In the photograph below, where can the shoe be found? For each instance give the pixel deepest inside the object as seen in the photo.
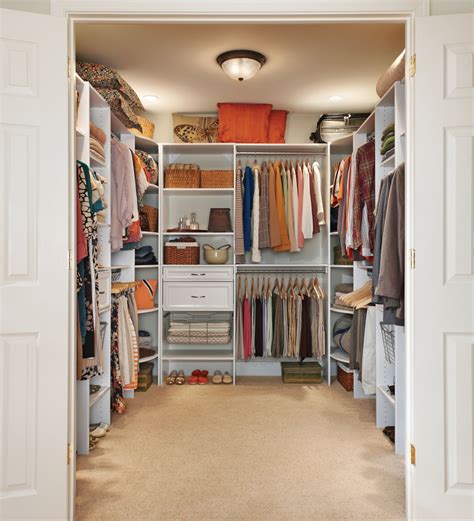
(171, 379)
(196, 372)
(193, 380)
(203, 379)
(180, 379)
(217, 378)
(105, 426)
(227, 378)
(98, 432)
(390, 433)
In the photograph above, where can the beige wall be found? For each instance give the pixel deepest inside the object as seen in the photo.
(33, 6)
(298, 127)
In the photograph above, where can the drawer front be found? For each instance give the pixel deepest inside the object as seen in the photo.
(105, 280)
(198, 273)
(215, 296)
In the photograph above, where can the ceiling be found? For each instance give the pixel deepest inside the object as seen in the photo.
(306, 64)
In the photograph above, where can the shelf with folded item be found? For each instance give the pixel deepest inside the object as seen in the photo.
(339, 355)
(149, 358)
(342, 266)
(198, 354)
(94, 398)
(150, 234)
(388, 162)
(97, 161)
(197, 191)
(343, 311)
(152, 188)
(148, 266)
(385, 391)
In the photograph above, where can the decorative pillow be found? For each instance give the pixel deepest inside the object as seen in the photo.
(103, 77)
(195, 129)
(148, 128)
(120, 107)
(395, 72)
(145, 294)
(243, 122)
(277, 126)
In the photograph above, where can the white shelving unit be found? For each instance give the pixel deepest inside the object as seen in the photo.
(390, 409)
(95, 408)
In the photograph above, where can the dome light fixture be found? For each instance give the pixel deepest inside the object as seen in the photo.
(150, 98)
(241, 64)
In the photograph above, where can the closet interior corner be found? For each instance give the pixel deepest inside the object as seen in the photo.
(241, 258)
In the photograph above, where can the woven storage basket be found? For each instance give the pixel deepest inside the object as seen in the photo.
(182, 252)
(305, 373)
(182, 176)
(149, 218)
(217, 179)
(345, 377)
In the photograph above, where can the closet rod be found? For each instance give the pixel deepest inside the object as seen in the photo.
(301, 154)
(256, 269)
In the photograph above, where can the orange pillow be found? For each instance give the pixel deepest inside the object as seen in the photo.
(277, 126)
(243, 122)
(145, 294)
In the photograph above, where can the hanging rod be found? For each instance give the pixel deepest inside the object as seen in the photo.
(276, 153)
(266, 269)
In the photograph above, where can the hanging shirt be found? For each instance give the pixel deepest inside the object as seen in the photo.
(307, 216)
(319, 192)
(248, 201)
(275, 237)
(290, 215)
(239, 224)
(280, 204)
(299, 176)
(264, 227)
(294, 187)
(256, 257)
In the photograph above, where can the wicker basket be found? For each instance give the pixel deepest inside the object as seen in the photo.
(217, 179)
(345, 377)
(149, 218)
(183, 251)
(301, 373)
(182, 176)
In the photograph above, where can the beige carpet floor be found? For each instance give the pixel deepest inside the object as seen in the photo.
(242, 453)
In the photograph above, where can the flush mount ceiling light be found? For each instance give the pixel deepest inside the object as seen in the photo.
(241, 64)
(150, 98)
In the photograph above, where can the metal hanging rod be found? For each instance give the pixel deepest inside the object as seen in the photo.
(264, 269)
(281, 154)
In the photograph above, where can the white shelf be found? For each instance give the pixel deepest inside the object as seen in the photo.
(203, 234)
(94, 398)
(146, 266)
(197, 191)
(334, 233)
(385, 391)
(80, 132)
(96, 161)
(276, 267)
(342, 266)
(151, 188)
(340, 355)
(390, 161)
(148, 358)
(145, 311)
(343, 311)
(201, 354)
(150, 234)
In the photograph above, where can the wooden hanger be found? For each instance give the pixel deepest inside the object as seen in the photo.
(239, 163)
(264, 288)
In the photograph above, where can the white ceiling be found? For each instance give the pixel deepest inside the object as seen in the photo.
(305, 63)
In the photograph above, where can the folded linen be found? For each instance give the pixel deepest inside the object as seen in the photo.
(97, 133)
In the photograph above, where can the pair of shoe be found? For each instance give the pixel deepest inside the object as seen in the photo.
(219, 378)
(198, 377)
(96, 432)
(176, 377)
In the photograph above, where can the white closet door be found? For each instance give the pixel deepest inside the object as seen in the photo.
(443, 348)
(33, 266)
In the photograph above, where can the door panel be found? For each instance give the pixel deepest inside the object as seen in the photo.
(33, 266)
(443, 349)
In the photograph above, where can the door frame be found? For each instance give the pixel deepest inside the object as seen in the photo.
(242, 12)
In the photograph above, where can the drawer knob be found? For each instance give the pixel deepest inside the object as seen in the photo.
(198, 274)
(198, 296)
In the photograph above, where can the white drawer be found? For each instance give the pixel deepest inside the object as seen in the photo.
(212, 296)
(198, 273)
(104, 279)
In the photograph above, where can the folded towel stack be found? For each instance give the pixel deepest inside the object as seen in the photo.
(97, 142)
(185, 332)
(387, 148)
(145, 256)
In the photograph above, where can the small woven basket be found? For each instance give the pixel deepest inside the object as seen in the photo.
(217, 179)
(219, 220)
(183, 251)
(149, 218)
(182, 176)
(345, 378)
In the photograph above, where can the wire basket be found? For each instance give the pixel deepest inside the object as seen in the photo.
(116, 272)
(388, 337)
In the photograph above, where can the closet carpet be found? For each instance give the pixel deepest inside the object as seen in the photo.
(251, 452)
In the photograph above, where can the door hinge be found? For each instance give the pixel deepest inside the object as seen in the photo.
(412, 258)
(413, 65)
(412, 454)
(68, 453)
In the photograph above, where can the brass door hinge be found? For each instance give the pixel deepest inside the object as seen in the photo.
(413, 65)
(68, 454)
(412, 258)
(412, 454)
